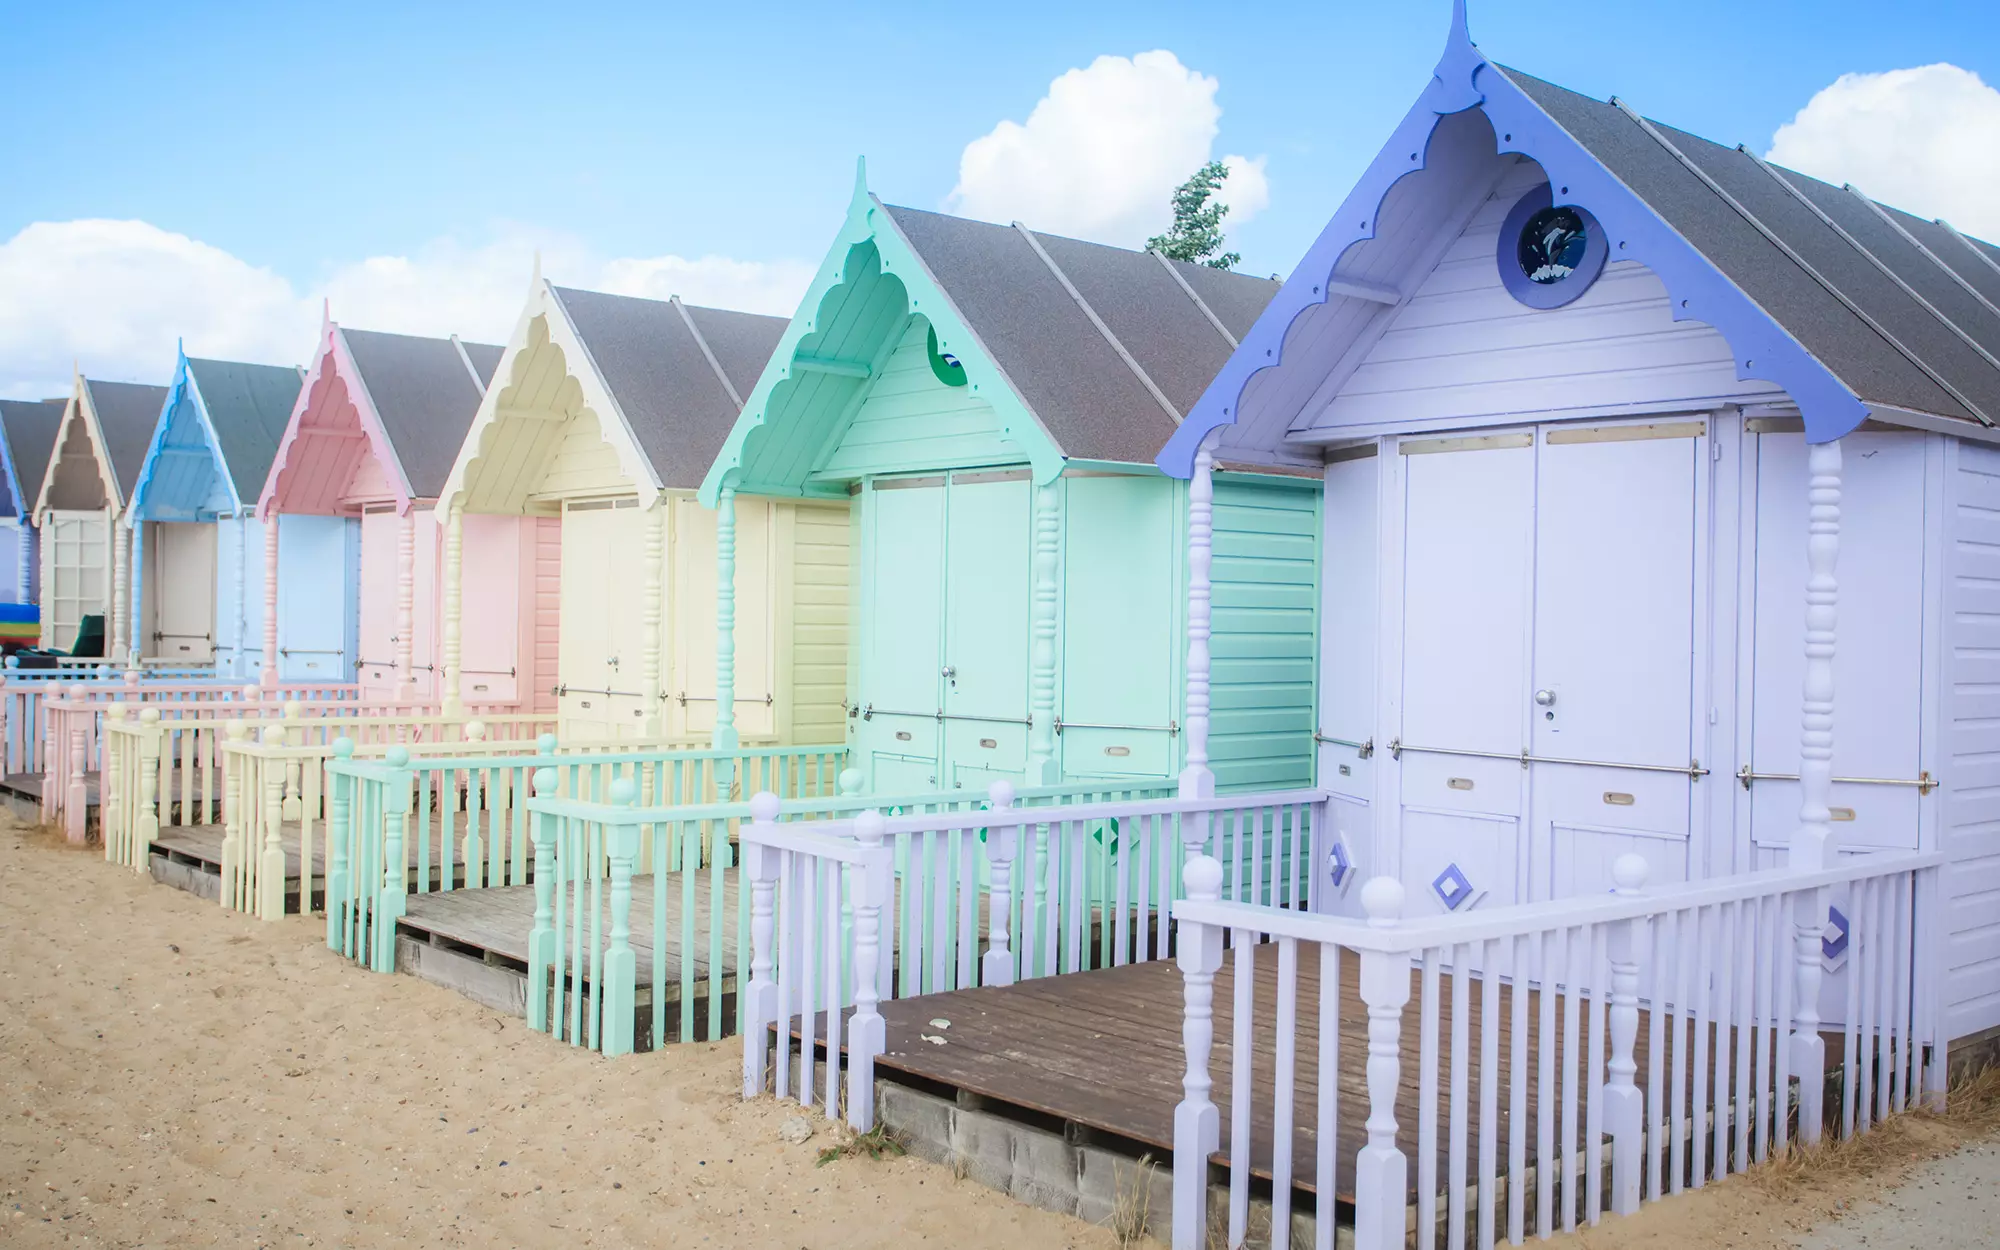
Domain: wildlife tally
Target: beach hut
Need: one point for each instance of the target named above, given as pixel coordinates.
(605, 414)
(1611, 417)
(197, 555)
(352, 572)
(27, 437)
(80, 508)
(990, 399)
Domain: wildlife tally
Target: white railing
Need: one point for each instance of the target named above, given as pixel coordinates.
(1571, 1057)
(975, 897)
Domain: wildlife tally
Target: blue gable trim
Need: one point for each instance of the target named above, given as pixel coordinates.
(1465, 79)
(155, 498)
(20, 505)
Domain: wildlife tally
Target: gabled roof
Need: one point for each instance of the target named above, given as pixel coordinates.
(403, 399)
(27, 439)
(1085, 352)
(425, 395)
(126, 414)
(234, 413)
(676, 371)
(1856, 309)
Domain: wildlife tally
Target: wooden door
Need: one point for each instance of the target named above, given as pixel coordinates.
(1348, 680)
(492, 607)
(1468, 549)
(426, 656)
(900, 690)
(691, 688)
(1120, 552)
(380, 531)
(1613, 690)
(1879, 661)
(76, 578)
(317, 576)
(585, 643)
(985, 669)
(180, 591)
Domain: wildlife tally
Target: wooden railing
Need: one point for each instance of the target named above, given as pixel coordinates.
(1572, 1057)
(1029, 884)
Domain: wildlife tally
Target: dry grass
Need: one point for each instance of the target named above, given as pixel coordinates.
(1133, 1210)
(877, 1143)
(1972, 1111)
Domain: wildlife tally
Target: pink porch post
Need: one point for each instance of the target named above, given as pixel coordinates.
(269, 677)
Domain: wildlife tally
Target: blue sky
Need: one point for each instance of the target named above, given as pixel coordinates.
(304, 140)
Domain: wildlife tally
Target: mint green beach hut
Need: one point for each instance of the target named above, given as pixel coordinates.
(989, 400)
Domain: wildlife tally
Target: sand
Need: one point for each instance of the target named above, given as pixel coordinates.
(172, 1074)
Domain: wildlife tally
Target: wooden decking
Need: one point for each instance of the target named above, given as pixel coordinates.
(1102, 1052)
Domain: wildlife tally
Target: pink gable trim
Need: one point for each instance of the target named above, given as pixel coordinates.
(334, 426)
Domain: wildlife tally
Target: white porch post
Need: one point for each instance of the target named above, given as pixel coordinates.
(725, 737)
(239, 659)
(269, 678)
(406, 607)
(115, 651)
(454, 608)
(1042, 769)
(136, 596)
(654, 618)
(26, 541)
(1812, 844)
(1197, 780)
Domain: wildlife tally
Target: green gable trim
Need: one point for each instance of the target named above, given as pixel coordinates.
(869, 255)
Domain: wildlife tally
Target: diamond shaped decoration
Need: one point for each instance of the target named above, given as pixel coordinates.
(1833, 940)
(1452, 887)
(1339, 866)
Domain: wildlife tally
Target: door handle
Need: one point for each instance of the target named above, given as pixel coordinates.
(1545, 698)
(950, 670)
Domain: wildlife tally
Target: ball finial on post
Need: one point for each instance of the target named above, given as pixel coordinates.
(398, 757)
(1382, 900)
(149, 716)
(1001, 793)
(1203, 876)
(763, 807)
(1629, 873)
(343, 747)
(545, 783)
(623, 792)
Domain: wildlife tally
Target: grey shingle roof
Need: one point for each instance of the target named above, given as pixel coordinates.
(654, 366)
(126, 415)
(425, 397)
(1897, 338)
(249, 407)
(1093, 404)
(29, 426)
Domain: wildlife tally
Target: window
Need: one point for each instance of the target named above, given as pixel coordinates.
(1549, 253)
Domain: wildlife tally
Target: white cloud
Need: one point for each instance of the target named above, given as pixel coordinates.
(1102, 152)
(114, 295)
(1924, 139)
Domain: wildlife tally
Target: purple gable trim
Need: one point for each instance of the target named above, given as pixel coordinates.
(1465, 79)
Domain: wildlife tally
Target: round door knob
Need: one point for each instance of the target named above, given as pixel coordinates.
(1545, 698)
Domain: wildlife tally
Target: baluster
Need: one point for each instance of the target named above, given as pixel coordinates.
(235, 804)
(996, 966)
(865, 1035)
(621, 846)
(1381, 1172)
(294, 735)
(760, 998)
(340, 828)
(270, 871)
(1197, 1123)
(76, 802)
(395, 860)
(1624, 1114)
(145, 818)
(542, 938)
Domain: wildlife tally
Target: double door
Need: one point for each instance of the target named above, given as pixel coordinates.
(180, 577)
(1541, 720)
(943, 695)
(601, 647)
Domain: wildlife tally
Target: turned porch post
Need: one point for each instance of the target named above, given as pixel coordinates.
(454, 608)
(725, 737)
(406, 607)
(1197, 781)
(654, 616)
(26, 539)
(136, 592)
(1812, 844)
(269, 678)
(115, 652)
(1042, 769)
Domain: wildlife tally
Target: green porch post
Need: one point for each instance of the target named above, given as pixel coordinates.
(725, 737)
(1042, 767)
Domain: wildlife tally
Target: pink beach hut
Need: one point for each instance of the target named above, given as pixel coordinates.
(377, 427)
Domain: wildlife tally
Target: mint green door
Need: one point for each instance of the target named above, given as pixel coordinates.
(985, 669)
(1120, 628)
(903, 550)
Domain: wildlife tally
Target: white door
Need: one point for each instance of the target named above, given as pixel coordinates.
(181, 592)
(1878, 664)
(1614, 653)
(1468, 549)
(76, 575)
(1349, 610)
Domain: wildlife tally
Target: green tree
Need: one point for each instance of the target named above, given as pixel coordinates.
(1196, 234)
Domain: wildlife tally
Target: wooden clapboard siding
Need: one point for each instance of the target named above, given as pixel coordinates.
(692, 617)
(1970, 830)
(581, 462)
(1265, 632)
(815, 662)
(520, 430)
(1462, 348)
(541, 606)
(910, 420)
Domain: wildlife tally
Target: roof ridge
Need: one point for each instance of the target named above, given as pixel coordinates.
(1199, 303)
(1174, 414)
(1771, 236)
(707, 353)
(1974, 247)
(470, 372)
